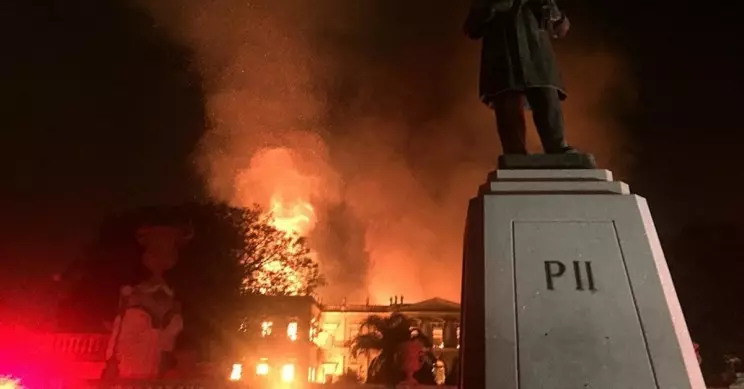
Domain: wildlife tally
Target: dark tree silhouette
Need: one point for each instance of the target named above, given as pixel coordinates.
(385, 336)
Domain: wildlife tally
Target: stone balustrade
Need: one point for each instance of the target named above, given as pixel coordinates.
(219, 385)
(163, 385)
(88, 347)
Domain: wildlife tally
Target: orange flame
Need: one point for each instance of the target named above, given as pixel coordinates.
(276, 180)
(277, 267)
(293, 217)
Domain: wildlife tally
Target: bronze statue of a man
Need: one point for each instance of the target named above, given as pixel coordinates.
(517, 63)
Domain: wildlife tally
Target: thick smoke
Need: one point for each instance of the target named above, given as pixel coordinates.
(369, 110)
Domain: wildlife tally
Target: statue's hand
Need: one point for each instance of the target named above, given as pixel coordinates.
(561, 27)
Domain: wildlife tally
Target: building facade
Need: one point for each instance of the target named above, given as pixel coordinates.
(287, 337)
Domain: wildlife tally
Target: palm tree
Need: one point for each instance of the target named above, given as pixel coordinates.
(385, 335)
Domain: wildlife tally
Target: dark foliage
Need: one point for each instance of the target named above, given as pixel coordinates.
(385, 335)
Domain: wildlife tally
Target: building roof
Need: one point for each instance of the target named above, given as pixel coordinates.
(435, 304)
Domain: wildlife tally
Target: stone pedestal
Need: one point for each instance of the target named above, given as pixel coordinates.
(565, 286)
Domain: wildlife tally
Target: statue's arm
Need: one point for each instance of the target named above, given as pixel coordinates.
(557, 18)
(561, 24)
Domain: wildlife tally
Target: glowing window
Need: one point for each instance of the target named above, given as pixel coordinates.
(458, 336)
(322, 339)
(437, 336)
(262, 368)
(288, 372)
(266, 328)
(237, 372)
(292, 331)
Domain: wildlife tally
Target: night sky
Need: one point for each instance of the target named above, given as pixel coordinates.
(102, 111)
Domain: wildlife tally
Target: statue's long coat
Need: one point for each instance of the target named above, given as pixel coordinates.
(516, 53)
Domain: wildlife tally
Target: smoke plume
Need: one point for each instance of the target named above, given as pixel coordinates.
(367, 111)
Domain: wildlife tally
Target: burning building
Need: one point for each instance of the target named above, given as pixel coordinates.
(291, 339)
(275, 341)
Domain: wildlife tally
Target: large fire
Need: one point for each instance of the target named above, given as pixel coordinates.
(274, 179)
(294, 217)
(277, 267)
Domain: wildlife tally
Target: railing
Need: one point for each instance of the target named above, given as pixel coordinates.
(219, 385)
(163, 385)
(140, 384)
(85, 347)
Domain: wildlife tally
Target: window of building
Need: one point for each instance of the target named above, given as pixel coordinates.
(262, 368)
(266, 328)
(458, 336)
(236, 374)
(292, 331)
(331, 336)
(328, 372)
(322, 339)
(288, 372)
(353, 331)
(437, 336)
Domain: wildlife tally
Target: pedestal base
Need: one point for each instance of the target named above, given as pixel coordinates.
(547, 161)
(565, 285)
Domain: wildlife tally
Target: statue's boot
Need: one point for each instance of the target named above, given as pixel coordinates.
(564, 150)
(554, 142)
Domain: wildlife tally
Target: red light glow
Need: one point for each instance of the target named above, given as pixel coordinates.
(28, 360)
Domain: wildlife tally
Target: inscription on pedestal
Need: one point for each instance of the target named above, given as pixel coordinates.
(556, 269)
(575, 309)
